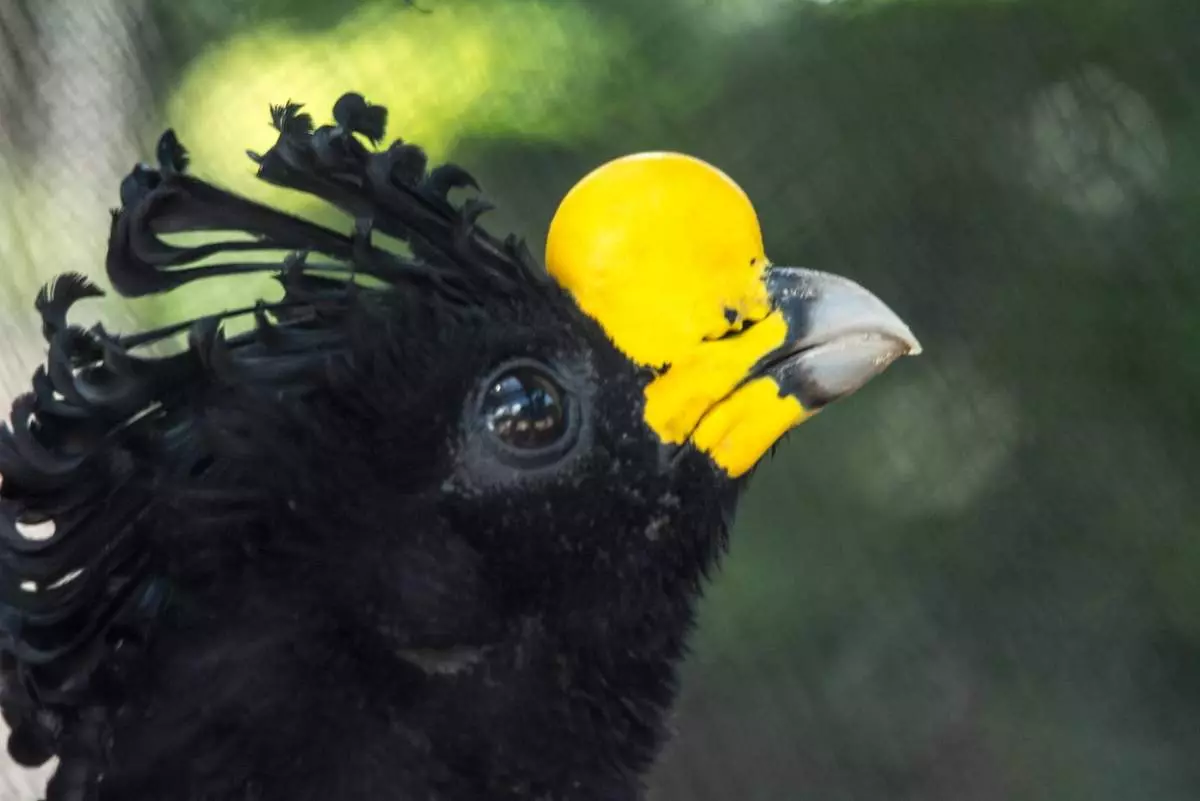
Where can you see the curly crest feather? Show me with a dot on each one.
(110, 433)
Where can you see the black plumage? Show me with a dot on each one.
(403, 534)
(286, 563)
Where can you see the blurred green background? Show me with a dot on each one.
(977, 580)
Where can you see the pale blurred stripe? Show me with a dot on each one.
(73, 94)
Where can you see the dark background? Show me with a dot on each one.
(975, 580)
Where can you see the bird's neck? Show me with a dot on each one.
(573, 712)
(564, 709)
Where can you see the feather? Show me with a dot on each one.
(447, 177)
(406, 164)
(172, 156)
(112, 438)
(354, 114)
(55, 300)
(288, 119)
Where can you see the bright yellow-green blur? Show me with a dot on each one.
(471, 68)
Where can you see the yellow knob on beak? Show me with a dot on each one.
(666, 253)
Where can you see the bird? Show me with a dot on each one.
(430, 523)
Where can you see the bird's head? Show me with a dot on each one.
(418, 451)
(665, 251)
(680, 356)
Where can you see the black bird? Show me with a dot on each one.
(432, 524)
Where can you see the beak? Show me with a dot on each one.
(823, 338)
(839, 336)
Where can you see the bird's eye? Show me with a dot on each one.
(525, 409)
(527, 417)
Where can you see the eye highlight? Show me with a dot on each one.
(525, 409)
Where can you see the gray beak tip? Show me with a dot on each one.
(841, 335)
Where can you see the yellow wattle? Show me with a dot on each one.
(737, 432)
(703, 375)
